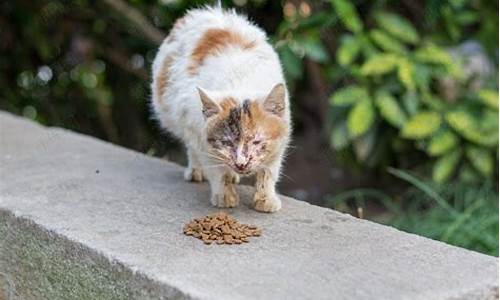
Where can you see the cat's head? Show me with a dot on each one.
(244, 135)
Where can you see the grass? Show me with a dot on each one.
(461, 214)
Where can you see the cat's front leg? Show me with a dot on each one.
(265, 198)
(193, 171)
(223, 192)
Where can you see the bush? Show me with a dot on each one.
(397, 103)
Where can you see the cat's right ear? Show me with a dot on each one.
(209, 107)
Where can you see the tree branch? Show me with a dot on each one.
(152, 33)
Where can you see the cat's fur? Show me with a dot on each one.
(219, 87)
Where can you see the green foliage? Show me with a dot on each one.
(461, 214)
(390, 110)
(348, 15)
(405, 69)
(421, 125)
(397, 26)
(349, 95)
(442, 142)
(360, 118)
(445, 166)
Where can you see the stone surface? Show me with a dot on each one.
(84, 219)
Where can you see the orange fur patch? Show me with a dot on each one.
(212, 42)
(226, 104)
(273, 126)
(163, 77)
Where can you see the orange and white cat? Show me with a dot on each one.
(219, 87)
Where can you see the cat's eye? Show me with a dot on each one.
(257, 142)
(227, 143)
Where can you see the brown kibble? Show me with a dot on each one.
(221, 229)
(228, 239)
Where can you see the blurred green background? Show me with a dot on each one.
(395, 103)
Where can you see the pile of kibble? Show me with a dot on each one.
(220, 228)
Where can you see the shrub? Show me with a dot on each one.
(396, 102)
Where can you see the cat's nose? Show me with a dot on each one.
(240, 166)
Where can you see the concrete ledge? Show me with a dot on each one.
(84, 219)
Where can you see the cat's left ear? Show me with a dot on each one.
(275, 101)
(209, 107)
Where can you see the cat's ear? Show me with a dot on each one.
(275, 101)
(209, 107)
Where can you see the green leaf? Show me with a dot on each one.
(445, 166)
(406, 71)
(380, 64)
(465, 124)
(390, 110)
(386, 42)
(348, 50)
(481, 159)
(489, 97)
(348, 15)
(360, 118)
(442, 142)
(433, 54)
(349, 95)
(397, 26)
(339, 137)
(421, 125)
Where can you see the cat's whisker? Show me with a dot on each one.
(287, 177)
(211, 155)
(214, 166)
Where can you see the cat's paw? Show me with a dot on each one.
(227, 199)
(193, 174)
(266, 202)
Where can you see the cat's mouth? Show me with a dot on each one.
(242, 170)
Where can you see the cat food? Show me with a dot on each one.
(220, 228)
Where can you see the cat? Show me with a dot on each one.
(219, 87)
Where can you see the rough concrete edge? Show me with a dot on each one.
(131, 283)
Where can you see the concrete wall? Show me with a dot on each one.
(84, 219)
